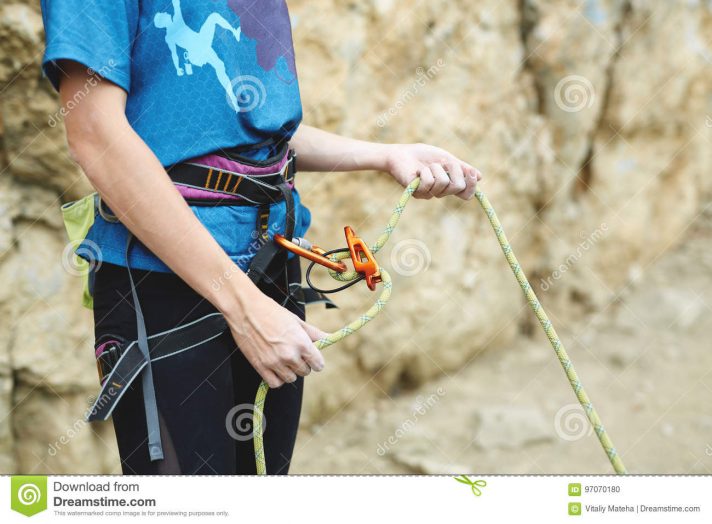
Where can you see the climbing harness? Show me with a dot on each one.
(366, 266)
(121, 362)
(207, 181)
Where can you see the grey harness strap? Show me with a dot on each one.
(155, 448)
(137, 357)
(121, 369)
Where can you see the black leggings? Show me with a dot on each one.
(204, 395)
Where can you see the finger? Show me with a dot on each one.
(404, 174)
(313, 357)
(470, 186)
(302, 369)
(285, 374)
(298, 365)
(476, 172)
(314, 332)
(426, 182)
(457, 179)
(467, 168)
(272, 380)
(442, 180)
(311, 354)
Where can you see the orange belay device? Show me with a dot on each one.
(361, 257)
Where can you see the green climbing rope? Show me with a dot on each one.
(380, 303)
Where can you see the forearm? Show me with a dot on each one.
(320, 150)
(136, 187)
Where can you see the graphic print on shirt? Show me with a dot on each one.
(267, 22)
(198, 46)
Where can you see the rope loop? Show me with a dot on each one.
(380, 303)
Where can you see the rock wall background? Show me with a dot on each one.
(592, 121)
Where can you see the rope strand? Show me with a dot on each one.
(377, 307)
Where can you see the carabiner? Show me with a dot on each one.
(362, 259)
(313, 253)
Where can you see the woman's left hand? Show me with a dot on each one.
(441, 173)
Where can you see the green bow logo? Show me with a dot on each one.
(28, 495)
(474, 485)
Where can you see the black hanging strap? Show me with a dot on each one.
(271, 258)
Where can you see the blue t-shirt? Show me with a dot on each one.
(201, 75)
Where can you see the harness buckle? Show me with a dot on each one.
(290, 168)
(363, 259)
(311, 252)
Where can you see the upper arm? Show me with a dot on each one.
(93, 109)
(88, 60)
(82, 89)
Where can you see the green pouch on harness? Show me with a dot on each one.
(78, 218)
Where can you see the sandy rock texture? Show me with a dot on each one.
(591, 119)
(647, 370)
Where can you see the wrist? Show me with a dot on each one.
(378, 157)
(231, 291)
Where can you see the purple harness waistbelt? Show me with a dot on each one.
(213, 177)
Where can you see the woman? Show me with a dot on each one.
(184, 118)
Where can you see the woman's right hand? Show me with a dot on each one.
(278, 344)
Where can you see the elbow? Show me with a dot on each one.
(76, 147)
(82, 138)
(88, 139)
(92, 113)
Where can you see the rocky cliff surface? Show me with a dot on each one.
(591, 120)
